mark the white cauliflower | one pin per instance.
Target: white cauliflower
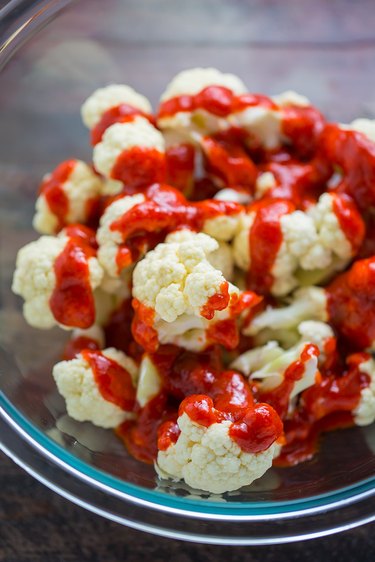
(291, 98)
(110, 240)
(110, 96)
(149, 381)
(76, 383)
(206, 458)
(175, 281)
(81, 186)
(264, 183)
(333, 240)
(364, 413)
(307, 303)
(121, 137)
(222, 227)
(189, 83)
(263, 125)
(229, 194)
(268, 364)
(34, 278)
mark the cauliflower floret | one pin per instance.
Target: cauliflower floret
(307, 303)
(241, 242)
(208, 459)
(149, 381)
(194, 80)
(364, 413)
(268, 365)
(229, 194)
(316, 332)
(80, 187)
(176, 278)
(121, 137)
(110, 96)
(34, 278)
(76, 383)
(331, 236)
(110, 240)
(264, 183)
(289, 97)
(262, 123)
(222, 227)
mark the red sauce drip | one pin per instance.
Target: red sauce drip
(351, 304)
(113, 381)
(76, 345)
(227, 159)
(51, 189)
(122, 113)
(200, 409)
(168, 434)
(302, 126)
(141, 436)
(300, 183)
(142, 326)
(165, 209)
(265, 240)
(138, 168)
(351, 222)
(355, 154)
(279, 397)
(180, 161)
(257, 430)
(72, 302)
(218, 301)
(323, 407)
(217, 100)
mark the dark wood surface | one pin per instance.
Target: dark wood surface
(37, 525)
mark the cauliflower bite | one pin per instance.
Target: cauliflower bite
(273, 369)
(321, 239)
(56, 276)
(98, 386)
(116, 103)
(364, 413)
(68, 195)
(207, 455)
(132, 153)
(198, 99)
(180, 295)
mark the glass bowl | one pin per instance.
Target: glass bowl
(54, 53)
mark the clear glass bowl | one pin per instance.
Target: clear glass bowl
(54, 54)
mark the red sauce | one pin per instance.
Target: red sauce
(72, 301)
(200, 409)
(218, 301)
(326, 406)
(141, 436)
(217, 100)
(138, 167)
(168, 434)
(351, 222)
(180, 162)
(355, 154)
(52, 190)
(76, 345)
(142, 326)
(351, 304)
(300, 183)
(227, 159)
(279, 397)
(302, 126)
(257, 430)
(265, 240)
(113, 381)
(122, 113)
(164, 210)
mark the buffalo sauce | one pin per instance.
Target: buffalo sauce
(122, 113)
(54, 194)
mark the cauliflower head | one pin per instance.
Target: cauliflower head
(35, 280)
(110, 96)
(76, 382)
(80, 189)
(207, 458)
